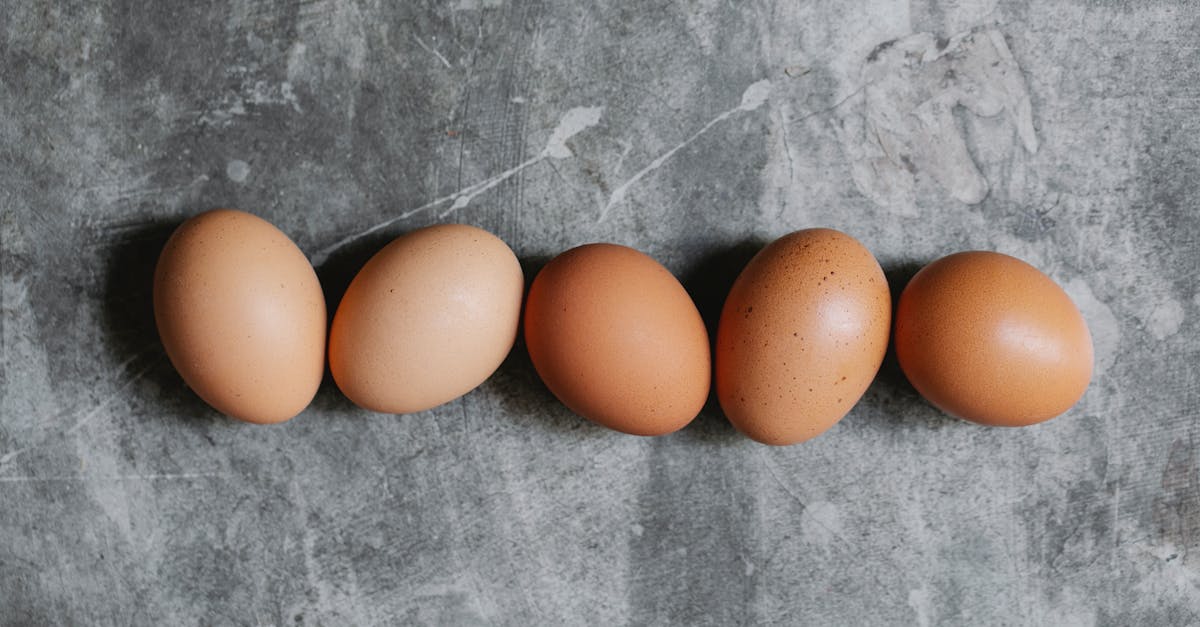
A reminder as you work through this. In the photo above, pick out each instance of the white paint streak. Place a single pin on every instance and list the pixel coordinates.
(463, 197)
(572, 123)
(755, 95)
(753, 98)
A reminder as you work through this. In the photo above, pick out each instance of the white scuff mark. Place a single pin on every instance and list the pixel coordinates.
(626, 148)
(1165, 319)
(821, 523)
(317, 562)
(235, 103)
(1172, 579)
(787, 148)
(572, 123)
(475, 5)
(116, 190)
(918, 600)
(289, 96)
(95, 411)
(150, 477)
(297, 61)
(905, 123)
(335, 34)
(753, 98)
(1106, 331)
(770, 466)
(432, 51)
(91, 414)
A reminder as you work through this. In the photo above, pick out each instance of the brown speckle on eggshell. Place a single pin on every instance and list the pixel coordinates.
(802, 334)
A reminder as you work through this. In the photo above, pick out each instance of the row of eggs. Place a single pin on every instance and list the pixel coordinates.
(611, 332)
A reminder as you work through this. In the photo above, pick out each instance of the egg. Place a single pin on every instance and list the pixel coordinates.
(428, 318)
(801, 336)
(241, 315)
(618, 340)
(989, 338)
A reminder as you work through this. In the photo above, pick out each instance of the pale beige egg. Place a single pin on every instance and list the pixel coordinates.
(241, 315)
(427, 319)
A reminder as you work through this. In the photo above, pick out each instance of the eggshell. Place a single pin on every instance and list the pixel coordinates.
(802, 334)
(241, 315)
(618, 340)
(989, 338)
(427, 319)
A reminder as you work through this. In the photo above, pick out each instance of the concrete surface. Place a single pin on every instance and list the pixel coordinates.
(1067, 134)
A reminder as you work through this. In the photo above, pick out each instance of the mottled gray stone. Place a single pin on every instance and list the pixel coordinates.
(125, 500)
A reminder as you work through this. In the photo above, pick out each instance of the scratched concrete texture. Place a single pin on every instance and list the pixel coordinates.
(1065, 133)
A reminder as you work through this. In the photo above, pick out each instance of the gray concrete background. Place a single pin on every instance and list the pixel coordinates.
(694, 131)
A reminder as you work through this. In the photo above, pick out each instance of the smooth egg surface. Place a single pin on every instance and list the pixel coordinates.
(802, 334)
(991, 339)
(618, 340)
(430, 317)
(241, 315)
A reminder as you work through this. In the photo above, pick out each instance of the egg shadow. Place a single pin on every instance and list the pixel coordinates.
(343, 264)
(890, 393)
(127, 320)
(519, 387)
(708, 281)
(335, 275)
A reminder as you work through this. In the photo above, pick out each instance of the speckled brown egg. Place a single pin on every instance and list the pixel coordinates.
(618, 340)
(430, 317)
(241, 315)
(802, 334)
(989, 338)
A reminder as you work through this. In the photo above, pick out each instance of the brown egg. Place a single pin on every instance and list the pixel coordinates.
(427, 319)
(989, 338)
(802, 334)
(618, 340)
(241, 315)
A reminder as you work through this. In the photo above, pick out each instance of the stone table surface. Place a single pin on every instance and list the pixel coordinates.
(1067, 134)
